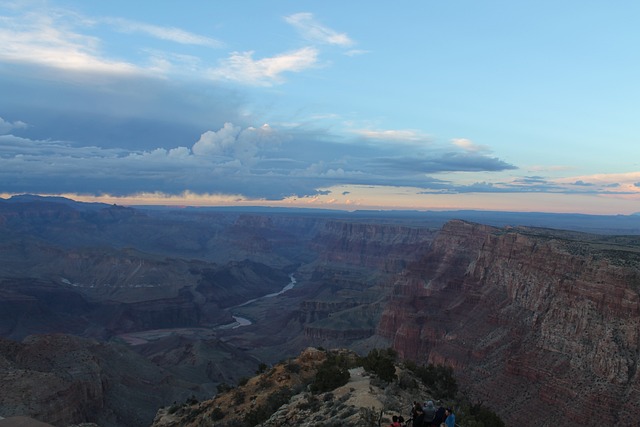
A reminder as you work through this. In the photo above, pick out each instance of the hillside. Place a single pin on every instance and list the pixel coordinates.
(538, 323)
(286, 394)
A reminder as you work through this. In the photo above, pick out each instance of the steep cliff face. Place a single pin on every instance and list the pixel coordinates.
(348, 280)
(386, 247)
(540, 325)
(65, 380)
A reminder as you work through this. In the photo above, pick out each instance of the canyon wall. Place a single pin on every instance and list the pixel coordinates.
(66, 380)
(540, 325)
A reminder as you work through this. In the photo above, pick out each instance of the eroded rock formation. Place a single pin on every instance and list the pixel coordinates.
(539, 324)
(63, 380)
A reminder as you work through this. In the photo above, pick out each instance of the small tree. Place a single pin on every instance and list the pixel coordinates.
(478, 415)
(330, 375)
(381, 363)
(439, 379)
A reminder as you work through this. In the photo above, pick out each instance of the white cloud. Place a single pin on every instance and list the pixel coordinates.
(173, 34)
(179, 153)
(6, 127)
(313, 31)
(470, 146)
(241, 66)
(356, 52)
(216, 143)
(252, 161)
(234, 142)
(57, 38)
(41, 39)
(392, 135)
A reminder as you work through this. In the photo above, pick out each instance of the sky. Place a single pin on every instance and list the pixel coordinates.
(489, 105)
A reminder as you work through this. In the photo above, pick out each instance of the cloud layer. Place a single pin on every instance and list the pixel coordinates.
(257, 162)
(267, 163)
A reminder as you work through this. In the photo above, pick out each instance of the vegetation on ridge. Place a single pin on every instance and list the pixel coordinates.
(330, 388)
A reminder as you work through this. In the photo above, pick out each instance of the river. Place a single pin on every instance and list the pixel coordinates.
(241, 321)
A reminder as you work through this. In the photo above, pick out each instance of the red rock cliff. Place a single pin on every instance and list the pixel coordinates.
(542, 326)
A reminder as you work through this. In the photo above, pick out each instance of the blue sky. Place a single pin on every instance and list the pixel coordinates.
(499, 105)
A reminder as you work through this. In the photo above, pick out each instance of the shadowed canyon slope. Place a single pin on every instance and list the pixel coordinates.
(539, 324)
(65, 380)
(169, 283)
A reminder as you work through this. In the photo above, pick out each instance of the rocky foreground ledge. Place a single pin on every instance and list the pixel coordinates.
(363, 400)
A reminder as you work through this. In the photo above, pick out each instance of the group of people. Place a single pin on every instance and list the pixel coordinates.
(427, 415)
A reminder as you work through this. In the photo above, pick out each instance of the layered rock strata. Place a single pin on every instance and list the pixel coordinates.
(63, 380)
(541, 325)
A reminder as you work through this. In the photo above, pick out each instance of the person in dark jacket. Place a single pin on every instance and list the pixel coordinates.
(439, 417)
(418, 415)
(429, 410)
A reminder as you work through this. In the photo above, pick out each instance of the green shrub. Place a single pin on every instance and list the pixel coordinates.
(381, 363)
(263, 412)
(311, 403)
(224, 387)
(439, 379)
(370, 417)
(239, 397)
(217, 414)
(478, 415)
(265, 382)
(292, 367)
(406, 381)
(173, 408)
(330, 376)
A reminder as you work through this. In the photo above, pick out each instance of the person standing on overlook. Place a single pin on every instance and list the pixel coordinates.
(450, 421)
(429, 410)
(417, 415)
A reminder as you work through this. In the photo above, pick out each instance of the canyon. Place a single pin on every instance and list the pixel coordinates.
(539, 323)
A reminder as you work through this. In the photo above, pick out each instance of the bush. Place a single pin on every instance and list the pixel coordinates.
(381, 363)
(439, 379)
(292, 367)
(265, 382)
(239, 397)
(330, 376)
(263, 412)
(370, 417)
(406, 381)
(478, 415)
(217, 414)
(311, 403)
(224, 387)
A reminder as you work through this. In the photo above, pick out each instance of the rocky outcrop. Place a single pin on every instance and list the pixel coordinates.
(280, 396)
(63, 380)
(539, 324)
